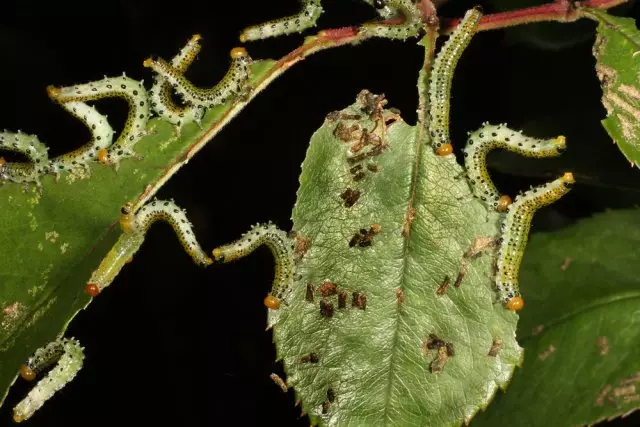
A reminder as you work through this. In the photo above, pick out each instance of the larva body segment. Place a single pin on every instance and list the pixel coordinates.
(134, 227)
(160, 93)
(231, 85)
(281, 246)
(101, 138)
(123, 87)
(490, 137)
(306, 18)
(442, 77)
(515, 232)
(389, 9)
(68, 356)
(30, 146)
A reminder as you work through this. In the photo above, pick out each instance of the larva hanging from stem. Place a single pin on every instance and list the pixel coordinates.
(30, 146)
(515, 231)
(123, 87)
(489, 137)
(68, 356)
(306, 18)
(160, 93)
(134, 227)
(231, 85)
(101, 137)
(442, 77)
(407, 10)
(281, 246)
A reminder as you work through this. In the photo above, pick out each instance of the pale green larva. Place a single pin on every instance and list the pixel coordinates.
(101, 138)
(160, 93)
(515, 231)
(306, 18)
(231, 85)
(30, 146)
(134, 227)
(113, 87)
(489, 137)
(281, 246)
(67, 355)
(442, 77)
(407, 10)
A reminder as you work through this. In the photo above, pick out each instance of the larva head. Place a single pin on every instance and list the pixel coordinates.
(239, 52)
(2, 161)
(148, 62)
(561, 143)
(503, 203)
(444, 150)
(53, 92)
(568, 178)
(272, 302)
(92, 289)
(27, 373)
(196, 37)
(515, 303)
(217, 255)
(103, 156)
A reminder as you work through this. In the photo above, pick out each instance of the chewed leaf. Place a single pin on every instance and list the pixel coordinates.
(580, 329)
(617, 52)
(386, 221)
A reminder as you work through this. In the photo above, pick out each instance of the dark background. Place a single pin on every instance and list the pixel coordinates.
(172, 344)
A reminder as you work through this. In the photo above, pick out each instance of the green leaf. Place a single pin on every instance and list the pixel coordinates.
(618, 68)
(580, 328)
(52, 240)
(373, 366)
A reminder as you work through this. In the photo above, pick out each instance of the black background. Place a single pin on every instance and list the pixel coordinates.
(172, 344)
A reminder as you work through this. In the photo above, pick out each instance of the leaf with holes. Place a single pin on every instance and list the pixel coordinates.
(370, 333)
(580, 329)
(618, 67)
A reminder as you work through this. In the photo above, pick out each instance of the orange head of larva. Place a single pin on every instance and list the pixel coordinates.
(2, 161)
(272, 302)
(148, 62)
(568, 178)
(53, 92)
(196, 37)
(103, 156)
(217, 254)
(503, 203)
(239, 52)
(243, 38)
(561, 143)
(444, 149)
(27, 373)
(92, 289)
(515, 303)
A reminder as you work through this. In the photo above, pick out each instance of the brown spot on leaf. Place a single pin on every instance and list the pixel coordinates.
(547, 352)
(406, 225)
(327, 288)
(442, 357)
(603, 345)
(444, 352)
(302, 246)
(309, 295)
(355, 169)
(372, 167)
(566, 263)
(442, 289)
(310, 358)
(347, 133)
(364, 237)
(359, 300)
(350, 197)
(496, 345)
(479, 245)
(326, 308)
(342, 299)
(358, 177)
(538, 329)
(400, 295)
(331, 395)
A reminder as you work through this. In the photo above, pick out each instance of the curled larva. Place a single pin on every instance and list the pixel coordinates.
(101, 138)
(489, 137)
(306, 18)
(441, 78)
(30, 146)
(113, 87)
(134, 227)
(160, 93)
(515, 231)
(231, 85)
(406, 10)
(281, 246)
(68, 356)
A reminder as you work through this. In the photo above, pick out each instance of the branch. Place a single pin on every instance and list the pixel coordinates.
(557, 11)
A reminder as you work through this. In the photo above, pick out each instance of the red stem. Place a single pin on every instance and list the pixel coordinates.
(557, 11)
